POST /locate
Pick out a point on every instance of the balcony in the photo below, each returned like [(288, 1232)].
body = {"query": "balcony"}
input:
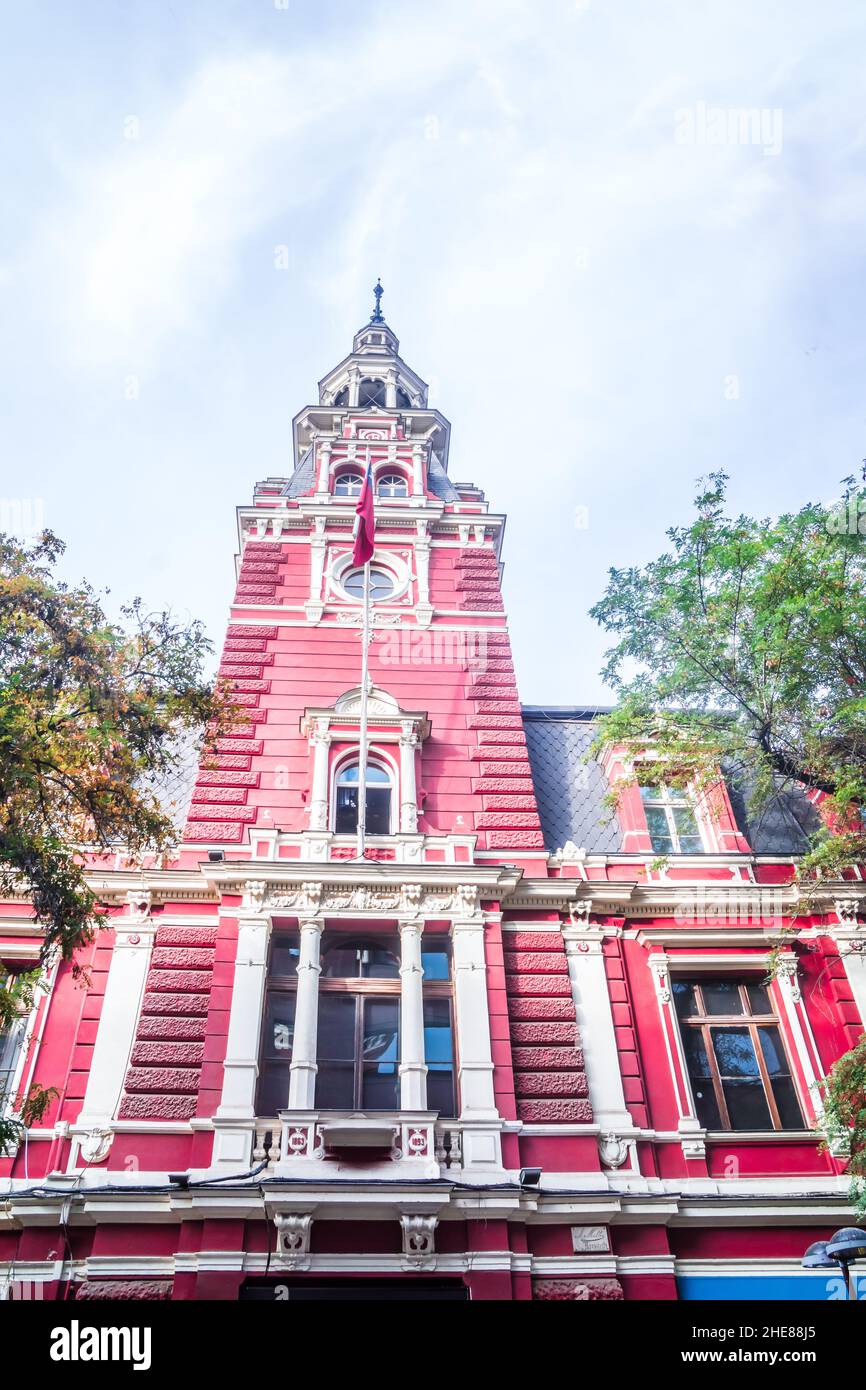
[(382, 1144)]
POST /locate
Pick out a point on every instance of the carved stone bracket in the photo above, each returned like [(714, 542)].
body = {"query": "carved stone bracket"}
[(293, 1239), (94, 1146), (419, 1241)]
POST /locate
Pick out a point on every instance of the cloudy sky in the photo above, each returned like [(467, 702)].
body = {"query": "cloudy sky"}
[(613, 283)]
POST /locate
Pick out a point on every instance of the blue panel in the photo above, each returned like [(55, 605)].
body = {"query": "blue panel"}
[(791, 1288)]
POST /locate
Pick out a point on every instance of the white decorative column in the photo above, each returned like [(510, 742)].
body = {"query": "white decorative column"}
[(477, 1100), (408, 787), (302, 1086), (324, 484), (321, 741), (583, 947), (315, 607), (391, 389), (418, 454), (413, 1068), (124, 991), (354, 387), (241, 1073)]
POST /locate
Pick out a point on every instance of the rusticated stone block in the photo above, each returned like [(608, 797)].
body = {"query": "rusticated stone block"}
[(532, 962), (504, 801), (202, 832), (474, 605), (179, 981), (561, 1112), (123, 1290), (577, 1290), (187, 936), (229, 778), (533, 941), (248, 687), (182, 958), (550, 1083), (515, 839), (236, 671), (244, 644), (172, 1029), (255, 591), (163, 1005), (162, 1080), (244, 702), (503, 706), (177, 1054), (529, 1009), (245, 814), (216, 796), (548, 1059), (518, 765), (550, 984), (244, 630), (546, 1033), (264, 564), (503, 820), (165, 1107), (216, 763), (257, 547), (497, 664), (508, 785), (236, 745)]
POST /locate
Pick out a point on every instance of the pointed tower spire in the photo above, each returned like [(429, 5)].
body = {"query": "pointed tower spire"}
[(377, 316)]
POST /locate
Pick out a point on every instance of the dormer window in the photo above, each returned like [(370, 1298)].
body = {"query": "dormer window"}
[(371, 393), (671, 821), (393, 485), (348, 485), (379, 800)]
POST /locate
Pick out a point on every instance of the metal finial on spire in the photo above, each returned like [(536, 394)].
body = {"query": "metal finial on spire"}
[(377, 316)]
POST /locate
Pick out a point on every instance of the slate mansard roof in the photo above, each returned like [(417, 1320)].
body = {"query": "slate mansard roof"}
[(570, 791)]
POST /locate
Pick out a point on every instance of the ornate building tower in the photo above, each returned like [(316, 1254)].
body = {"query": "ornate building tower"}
[(469, 1060)]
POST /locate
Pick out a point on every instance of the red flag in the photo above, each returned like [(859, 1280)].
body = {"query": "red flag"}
[(365, 525)]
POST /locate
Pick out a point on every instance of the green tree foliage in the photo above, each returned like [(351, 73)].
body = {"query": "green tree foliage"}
[(744, 644), (844, 1119), (94, 717)]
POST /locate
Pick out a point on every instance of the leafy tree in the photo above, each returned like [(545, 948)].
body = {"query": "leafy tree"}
[(844, 1119), (94, 716), (744, 645)]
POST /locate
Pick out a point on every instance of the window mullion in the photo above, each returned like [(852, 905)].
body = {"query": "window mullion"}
[(765, 1076), (716, 1076)]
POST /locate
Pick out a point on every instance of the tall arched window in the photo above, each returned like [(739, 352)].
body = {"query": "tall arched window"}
[(393, 485), (379, 800), (371, 392), (348, 485)]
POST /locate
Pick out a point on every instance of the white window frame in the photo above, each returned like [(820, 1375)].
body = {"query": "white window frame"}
[(671, 800), (375, 758)]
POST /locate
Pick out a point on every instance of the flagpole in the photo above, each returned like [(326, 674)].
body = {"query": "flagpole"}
[(365, 681)]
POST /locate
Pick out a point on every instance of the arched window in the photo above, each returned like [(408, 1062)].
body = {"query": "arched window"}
[(393, 485), (381, 584), (348, 485), (342, 397), (379, 800), (372, 392), (403, 400)]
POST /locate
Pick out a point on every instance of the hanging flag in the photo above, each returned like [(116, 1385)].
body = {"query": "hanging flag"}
[(364, 523)]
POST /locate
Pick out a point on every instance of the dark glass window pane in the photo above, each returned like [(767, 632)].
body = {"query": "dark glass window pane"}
[(340, 960), (436, 961), (335, 1086), (285, 954), (381, 584), (438, 1049), (381, 1089), (336, 1041), (440, 1092), (650, 794), (790, 1114), (380, 962), (759, 1000), (774, 1053), (747, 1104), (379, 810), (687, 830), (699, 1076), (684, 999), (279, 1027), (346, 819), (722, 997), (735, 1053), (657, 824), (381, 1030), (273, 1088)]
